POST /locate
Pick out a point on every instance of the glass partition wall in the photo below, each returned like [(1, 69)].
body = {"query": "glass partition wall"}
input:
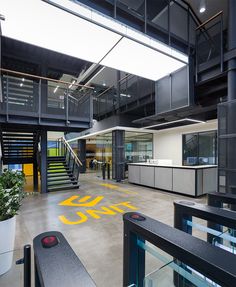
[(98, 151), (138, 148), (200, 148)]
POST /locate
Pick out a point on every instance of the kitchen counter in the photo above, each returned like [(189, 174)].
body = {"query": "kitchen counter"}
[(188, 180)]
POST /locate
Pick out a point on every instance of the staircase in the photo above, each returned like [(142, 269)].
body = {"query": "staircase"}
[(63, 170), (19, 147)]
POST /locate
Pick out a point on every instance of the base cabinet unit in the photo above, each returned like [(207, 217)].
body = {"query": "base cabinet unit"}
[(184, 181), (134, 176), (188, 180), (147, 175), (163, 178)]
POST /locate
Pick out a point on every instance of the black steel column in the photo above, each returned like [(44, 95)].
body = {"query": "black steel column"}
[(232, 45), (82, 154), (118, 155), (231, 114), (44, 90), (43, 165), (35, 174)]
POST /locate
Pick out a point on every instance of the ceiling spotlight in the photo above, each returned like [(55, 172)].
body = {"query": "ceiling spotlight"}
[(202, 7)]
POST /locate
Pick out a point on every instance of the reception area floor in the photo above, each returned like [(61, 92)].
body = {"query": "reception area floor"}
[(96, 237)]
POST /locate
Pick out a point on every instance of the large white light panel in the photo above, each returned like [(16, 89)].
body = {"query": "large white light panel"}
[(40, 24), (129, 56), (119, 27)]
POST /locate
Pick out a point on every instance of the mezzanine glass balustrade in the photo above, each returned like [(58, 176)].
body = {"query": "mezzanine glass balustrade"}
[(130, 89)]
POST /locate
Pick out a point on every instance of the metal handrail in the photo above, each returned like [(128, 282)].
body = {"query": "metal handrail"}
[(44, 78), (209, 20), (113, 86), (77, 160)]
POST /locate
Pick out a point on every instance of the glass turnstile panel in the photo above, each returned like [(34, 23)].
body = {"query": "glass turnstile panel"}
[(163, 270), (225, 239)]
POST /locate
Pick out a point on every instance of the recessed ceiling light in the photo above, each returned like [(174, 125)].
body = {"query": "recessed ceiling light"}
[(202, 10), (55, 89), (202, 7)]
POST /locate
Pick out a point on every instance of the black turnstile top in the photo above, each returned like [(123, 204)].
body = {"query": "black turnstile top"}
[(215, 263), (222, 197), (59, 266), (213, 214)]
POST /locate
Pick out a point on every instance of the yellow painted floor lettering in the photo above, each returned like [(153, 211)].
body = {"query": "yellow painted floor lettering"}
[(117, 188), (94, 213), (127, 204), (85, 198), (117, 208), (83, 218), (84, 201)]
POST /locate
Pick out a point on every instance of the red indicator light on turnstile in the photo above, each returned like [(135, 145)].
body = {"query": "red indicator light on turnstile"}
[(137, 217), (49, 241)]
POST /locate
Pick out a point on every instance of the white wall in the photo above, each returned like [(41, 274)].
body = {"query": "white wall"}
[(53, 136), (167, 143)]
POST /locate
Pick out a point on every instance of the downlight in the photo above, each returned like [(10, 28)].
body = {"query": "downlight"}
[(202, 7)]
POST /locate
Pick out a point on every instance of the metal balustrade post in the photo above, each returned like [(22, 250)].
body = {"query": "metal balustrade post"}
[(169, 39), (40, 101), (212, 202), (26, 260), (7, 95), (133, 259), (221, 44), (67, 107), (27, 266)]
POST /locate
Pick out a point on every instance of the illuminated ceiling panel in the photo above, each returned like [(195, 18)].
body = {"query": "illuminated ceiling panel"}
[(137, 59), (38, 23)]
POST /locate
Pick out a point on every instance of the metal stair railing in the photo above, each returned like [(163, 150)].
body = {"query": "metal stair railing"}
[(73, 162)]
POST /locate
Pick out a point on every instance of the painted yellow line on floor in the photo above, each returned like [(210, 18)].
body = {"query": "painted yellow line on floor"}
[(117, 188)]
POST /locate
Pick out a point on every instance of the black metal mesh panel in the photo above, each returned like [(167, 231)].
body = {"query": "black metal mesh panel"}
[(173, 92), (179, 97), (20, 94), (163, 95), (209, 43), (118, 155), (178, 27), (227, 146)]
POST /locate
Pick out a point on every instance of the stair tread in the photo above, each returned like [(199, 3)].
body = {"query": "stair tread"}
[(57, 167), (58, 170), (55, 157), (51, 184), (55, 174), (63, 187), (58, 178)]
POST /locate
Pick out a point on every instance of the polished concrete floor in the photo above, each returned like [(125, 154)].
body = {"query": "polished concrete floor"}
[(95, 237)]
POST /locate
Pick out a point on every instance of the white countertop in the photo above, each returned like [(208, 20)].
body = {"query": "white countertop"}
[(173, 166)]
